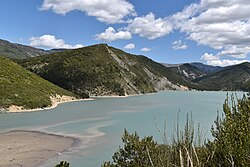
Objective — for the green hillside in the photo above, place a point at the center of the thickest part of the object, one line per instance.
(103, 70)
(23, 88)
(235, 77)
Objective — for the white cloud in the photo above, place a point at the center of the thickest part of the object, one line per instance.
(111, 35)
(209, 57)
(50, 42)
(108, 11)
(220, 24)
(129, 46)
(225, 62)
(146, 49)
(223, 25)
(235, 52)
(215, 60)
(179, 45)
(149, 27)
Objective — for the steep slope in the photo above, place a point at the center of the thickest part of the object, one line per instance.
(22, 88)
(18, 51)
(187, 71)
(206, 68)
(235, 77)
(103, 70)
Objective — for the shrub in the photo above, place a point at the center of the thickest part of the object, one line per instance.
(62, 164)
(146, 152)
(230, 146)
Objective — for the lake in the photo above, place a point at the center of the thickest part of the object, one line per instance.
(100, 123)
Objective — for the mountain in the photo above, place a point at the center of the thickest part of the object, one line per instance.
(104, 70)
(18, 51)
(206, 68)
(56, 50)
(205, 77)
(22, 88)
(171, 65)
(187, 71)
(235, 77)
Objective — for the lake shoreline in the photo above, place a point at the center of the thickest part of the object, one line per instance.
(18, 146)
(18, 109)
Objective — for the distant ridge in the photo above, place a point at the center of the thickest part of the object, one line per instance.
(186, 71)
(18, 51)
(56, 50)
(236, 77)
(202, 67)
(214, 78)
(206, 68)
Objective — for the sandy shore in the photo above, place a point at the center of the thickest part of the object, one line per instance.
(54, 100)
(30, 148)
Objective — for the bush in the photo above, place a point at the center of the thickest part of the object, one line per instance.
(63, 164)
(146, 152)
(230, 147)
(136, 152)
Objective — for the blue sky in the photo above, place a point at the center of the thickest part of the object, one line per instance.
(215, 32)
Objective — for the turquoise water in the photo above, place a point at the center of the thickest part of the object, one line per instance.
(101, 122)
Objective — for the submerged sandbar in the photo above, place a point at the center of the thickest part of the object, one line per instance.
(31, 148)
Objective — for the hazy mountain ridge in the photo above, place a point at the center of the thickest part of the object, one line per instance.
(235, 77)
(206, 77)
(206, 68)
(19, 51)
